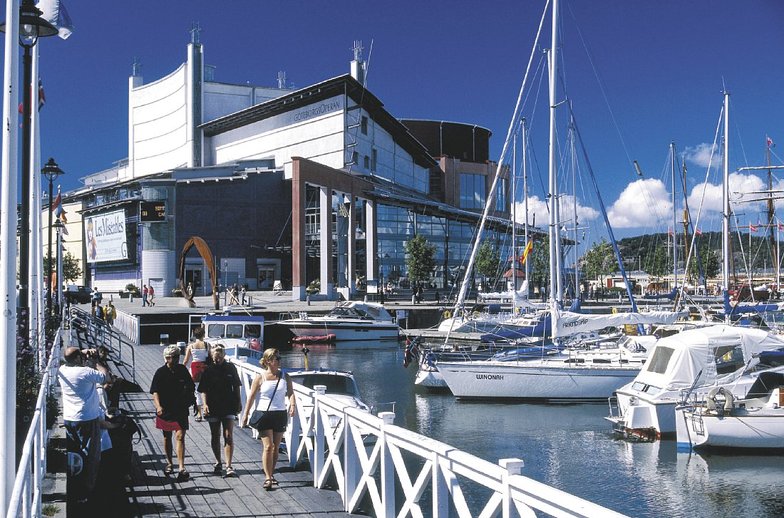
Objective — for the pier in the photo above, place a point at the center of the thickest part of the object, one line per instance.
(339, 461)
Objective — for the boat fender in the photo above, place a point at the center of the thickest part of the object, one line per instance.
(447, 314)
(712, 404)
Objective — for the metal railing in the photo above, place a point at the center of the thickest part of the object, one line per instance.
(87, 330)
(26, 495)
(371, 459)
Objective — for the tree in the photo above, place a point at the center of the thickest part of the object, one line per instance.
(711, 265)
(488, 260)
(599, 261)
(71, 268)
(539, 258)
(657, 263)
(420, 259)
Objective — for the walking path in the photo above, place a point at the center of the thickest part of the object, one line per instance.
(205, 494)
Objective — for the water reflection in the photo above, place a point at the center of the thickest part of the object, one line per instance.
(569, 446)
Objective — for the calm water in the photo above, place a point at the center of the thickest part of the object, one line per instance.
(568, 446)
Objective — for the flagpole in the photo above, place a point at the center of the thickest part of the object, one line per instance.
(8, 200)
(35, 216)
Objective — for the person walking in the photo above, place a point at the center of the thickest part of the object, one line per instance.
(172, 393)
(151, 295)
(220, 387)
(82, 414)
(197, 352)
(271, 400)
(110, 313)
(145, 294)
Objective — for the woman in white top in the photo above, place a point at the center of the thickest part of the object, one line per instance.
(197, 351)
(272, 391)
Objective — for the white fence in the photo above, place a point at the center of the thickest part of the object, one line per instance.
(401, 473)
(26, 496)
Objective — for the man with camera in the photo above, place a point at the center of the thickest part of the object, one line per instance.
(82, 413)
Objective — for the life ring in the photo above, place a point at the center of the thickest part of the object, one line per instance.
(711, 403)
(447, 314)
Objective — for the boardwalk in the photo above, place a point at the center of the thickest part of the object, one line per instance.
(206, 494)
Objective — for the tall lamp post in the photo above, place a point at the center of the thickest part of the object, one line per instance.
(51, 171)
(59, 225)
(31, 27)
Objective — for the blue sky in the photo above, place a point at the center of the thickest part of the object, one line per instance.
(656, 75)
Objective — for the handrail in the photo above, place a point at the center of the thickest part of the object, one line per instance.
(26, 496)
(369, 457)
(99, 333)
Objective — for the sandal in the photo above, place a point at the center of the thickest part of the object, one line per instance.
(183, 476)
(168, 470)
(230, 472)
(274, 482)
(268, 484)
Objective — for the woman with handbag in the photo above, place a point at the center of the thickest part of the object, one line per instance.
(197, 352)
(265, 410)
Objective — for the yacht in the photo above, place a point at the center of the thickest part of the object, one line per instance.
(348, 321)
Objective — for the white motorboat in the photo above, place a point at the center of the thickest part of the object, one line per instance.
(348, 321)
(340, 385)
(242, 336)
(721, 421)
(693, 361)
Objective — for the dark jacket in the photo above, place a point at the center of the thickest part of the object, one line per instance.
(175, 391)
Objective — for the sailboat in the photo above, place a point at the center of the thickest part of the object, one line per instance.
(574, 375)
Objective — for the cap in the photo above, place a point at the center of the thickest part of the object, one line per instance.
(171, 350)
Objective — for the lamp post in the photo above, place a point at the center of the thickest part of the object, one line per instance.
(31, 27)
(51, 171)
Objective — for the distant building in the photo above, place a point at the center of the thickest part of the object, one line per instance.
(315, 185)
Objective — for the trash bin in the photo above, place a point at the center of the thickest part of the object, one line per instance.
(181, 347)
(164, 339)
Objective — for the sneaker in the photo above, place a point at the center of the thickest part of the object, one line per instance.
(230, 472)
(183, 476)
(217, 468)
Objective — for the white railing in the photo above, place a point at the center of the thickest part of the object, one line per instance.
(370, 459)
(26, 496)
(128, 325)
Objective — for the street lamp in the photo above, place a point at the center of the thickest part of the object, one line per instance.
(31, 27)
(51, 171)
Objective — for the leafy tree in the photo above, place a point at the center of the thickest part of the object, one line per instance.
(539, 267)
(71, 268)
(657, 263)
(420, 259)
(711, 264)
(599, 261)
(488, 261)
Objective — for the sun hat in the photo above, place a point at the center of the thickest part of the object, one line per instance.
(171, 350)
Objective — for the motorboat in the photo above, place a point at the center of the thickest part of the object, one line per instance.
(355, 321)
(340, 385)
(242, 336)
(693, 361)
(755, 421)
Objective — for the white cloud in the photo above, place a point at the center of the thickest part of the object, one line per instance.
(700, 155)
(742, 187)
(539, 213)
(643, 203)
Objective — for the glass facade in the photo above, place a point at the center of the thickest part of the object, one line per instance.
(473, 191)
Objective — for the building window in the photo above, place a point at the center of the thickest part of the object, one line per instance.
(472, 191)
(354, 158)
(500, 195)
(373, 159)
(367, 162)
(363, 125)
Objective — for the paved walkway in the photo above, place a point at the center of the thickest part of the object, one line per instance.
(205, 494)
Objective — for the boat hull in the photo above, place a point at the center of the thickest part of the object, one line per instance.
(344, 331)
(697, 429)
(535, 380)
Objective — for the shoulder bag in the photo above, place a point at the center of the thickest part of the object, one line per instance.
(258, 415)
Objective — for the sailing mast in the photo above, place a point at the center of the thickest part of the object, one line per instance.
(725, 195)
(524, 138)
(674, 218)
(772, 227)
(556, 287)
(514, 223)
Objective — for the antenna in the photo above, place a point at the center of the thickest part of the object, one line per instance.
(357, 50)
(136, 67)
(195, 32)
(282, 79)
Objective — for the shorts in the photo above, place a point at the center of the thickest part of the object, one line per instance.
(275, 420)
(171, 426)
(220, 419)
(197, 369)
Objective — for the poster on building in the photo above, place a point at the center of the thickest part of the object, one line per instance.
(106, 237)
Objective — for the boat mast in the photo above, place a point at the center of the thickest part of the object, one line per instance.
(725, 194)
(674, 218)
(556, 288)
(772, 227)
(514, 222)
(524, 138)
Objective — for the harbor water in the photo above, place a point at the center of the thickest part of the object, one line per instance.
(570, 447)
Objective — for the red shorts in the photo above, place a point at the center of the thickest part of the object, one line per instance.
(167, 426)
(197, 369)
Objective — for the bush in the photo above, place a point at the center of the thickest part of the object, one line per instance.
(131, 288)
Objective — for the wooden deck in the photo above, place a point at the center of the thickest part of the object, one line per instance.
(206, 494)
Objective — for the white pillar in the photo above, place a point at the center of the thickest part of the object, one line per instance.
(325, 237)
(8, 186)
(371, 252)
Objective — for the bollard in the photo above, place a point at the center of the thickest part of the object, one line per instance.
(512, 466)
(387, 417)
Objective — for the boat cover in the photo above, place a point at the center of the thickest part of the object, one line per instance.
(568, 323)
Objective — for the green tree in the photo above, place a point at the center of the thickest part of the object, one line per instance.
(657, 263)
(420, 259)
(71, 268)
(488, 261)
(599, 261)
(539, 258)
(711, 265)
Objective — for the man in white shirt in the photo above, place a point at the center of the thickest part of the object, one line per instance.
(82, 413)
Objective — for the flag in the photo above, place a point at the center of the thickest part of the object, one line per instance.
(54, 12)
(781, 227)
(669, 231)
(528, 247)
(41, 96)
(753, 228)
(769, 141)
(698, 232)
(56, 203)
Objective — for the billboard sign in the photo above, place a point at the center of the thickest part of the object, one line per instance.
(153, 211)
(106, 237)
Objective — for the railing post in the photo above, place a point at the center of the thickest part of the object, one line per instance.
(352, 472)
(319, 428)
(387, 469)
(513, 467)
(440, 489)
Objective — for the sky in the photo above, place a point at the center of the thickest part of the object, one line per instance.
(639, 75)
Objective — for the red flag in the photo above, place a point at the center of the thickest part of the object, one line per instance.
(698, 232)
(41, 96)
(753, 228)
(781, 227)
(57, 201)
(769, 141)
